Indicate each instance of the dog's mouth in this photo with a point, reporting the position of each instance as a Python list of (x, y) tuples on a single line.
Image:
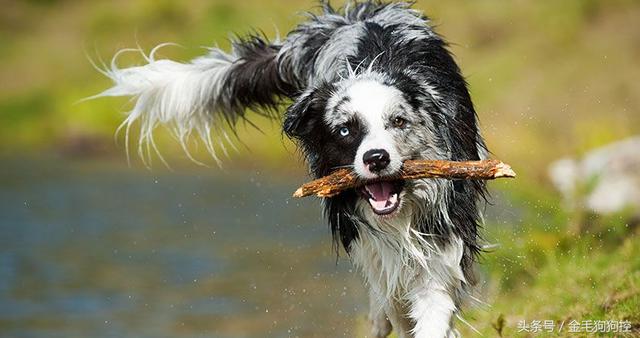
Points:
[(383, 196)]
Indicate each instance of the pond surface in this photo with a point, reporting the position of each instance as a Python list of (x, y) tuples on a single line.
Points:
[(97, 249), (93, 249)]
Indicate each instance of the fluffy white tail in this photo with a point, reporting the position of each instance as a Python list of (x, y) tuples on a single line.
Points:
[(203, 96)]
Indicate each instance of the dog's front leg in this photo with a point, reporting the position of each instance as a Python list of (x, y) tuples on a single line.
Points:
[(380, 324), (432, 309)]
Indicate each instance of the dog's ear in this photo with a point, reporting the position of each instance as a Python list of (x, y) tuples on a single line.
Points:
[(297, 117), (302, 116)]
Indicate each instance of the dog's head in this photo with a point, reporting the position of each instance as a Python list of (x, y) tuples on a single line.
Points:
[(375, 120)]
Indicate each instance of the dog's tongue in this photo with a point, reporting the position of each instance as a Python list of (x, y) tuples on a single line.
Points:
[(382, 195), (380, 191)]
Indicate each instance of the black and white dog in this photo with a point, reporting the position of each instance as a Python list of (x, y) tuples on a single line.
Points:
[(372, 85)]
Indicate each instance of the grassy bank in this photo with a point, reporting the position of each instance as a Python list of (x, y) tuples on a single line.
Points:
[(540, 273)]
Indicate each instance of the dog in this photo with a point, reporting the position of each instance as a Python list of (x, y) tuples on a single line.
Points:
[(371, 85)]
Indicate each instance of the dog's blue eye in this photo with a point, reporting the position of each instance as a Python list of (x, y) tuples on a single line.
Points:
[(344, 131)]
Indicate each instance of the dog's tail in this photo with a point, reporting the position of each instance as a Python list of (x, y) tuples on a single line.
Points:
[(205, 96)]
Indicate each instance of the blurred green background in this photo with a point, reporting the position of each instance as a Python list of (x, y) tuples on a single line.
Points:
[(548, 78)]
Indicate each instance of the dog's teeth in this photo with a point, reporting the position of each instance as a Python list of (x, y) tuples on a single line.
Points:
[(366, 187), (392, 200)]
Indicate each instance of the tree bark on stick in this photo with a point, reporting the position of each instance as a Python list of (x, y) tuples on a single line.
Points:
[(343, 179)]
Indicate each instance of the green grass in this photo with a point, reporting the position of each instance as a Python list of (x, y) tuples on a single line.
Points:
[(547, 275), (548, 78)]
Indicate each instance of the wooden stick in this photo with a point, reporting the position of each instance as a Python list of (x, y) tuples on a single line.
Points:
[(343, 179)]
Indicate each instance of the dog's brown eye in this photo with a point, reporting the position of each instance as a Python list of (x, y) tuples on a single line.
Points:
[(399, 122)]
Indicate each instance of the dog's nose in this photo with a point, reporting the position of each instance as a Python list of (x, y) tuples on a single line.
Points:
[(376, 159)]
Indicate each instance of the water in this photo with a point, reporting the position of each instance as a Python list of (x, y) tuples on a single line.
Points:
[(96, 249)]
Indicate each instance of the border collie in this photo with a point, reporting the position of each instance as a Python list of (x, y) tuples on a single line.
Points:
[(371, 85)]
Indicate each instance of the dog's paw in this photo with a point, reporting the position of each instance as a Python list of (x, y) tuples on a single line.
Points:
[(380, 328)]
